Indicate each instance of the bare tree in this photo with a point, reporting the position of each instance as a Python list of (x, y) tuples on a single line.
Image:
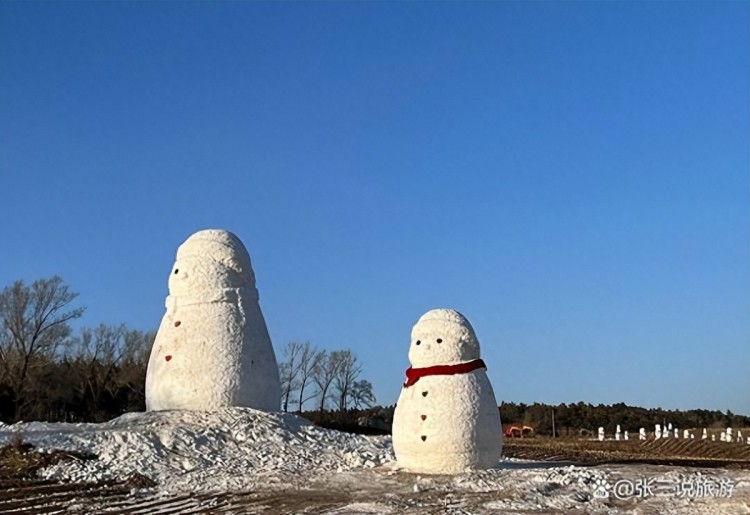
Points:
[(347, 372), (131, 374), (289, 372), (361, 394), (35, 323), (325, 373), (309, 360), (99, 353), (137, 348)]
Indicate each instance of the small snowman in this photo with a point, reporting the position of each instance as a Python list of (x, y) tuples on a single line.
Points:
[(446, 420), (212, 349)]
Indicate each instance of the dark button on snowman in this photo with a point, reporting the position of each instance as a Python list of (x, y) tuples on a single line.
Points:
[(447, 420)]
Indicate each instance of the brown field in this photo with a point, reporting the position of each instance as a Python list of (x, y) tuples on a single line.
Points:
[(665, 451), (22, 492)]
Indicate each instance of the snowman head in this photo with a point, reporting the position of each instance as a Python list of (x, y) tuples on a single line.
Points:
[(442, 337), (208, 262)]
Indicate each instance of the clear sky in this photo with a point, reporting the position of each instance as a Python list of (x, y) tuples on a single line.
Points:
[(572, 176)]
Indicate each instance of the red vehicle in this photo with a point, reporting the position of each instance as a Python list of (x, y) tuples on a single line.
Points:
[(519, 432)]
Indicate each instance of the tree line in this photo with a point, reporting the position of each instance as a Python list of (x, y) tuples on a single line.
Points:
[(49, 372), (575, 418), (332, 379)]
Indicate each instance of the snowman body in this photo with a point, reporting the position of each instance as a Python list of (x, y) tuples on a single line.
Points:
[(446, 423), (212, 349)]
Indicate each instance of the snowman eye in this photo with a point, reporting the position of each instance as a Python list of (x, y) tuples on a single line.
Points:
[(440, 340), (418, 342), (176, 270)]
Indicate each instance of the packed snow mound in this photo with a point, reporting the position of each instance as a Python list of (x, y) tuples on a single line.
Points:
[(229, 449)]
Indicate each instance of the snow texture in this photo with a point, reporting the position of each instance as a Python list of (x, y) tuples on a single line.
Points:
[(212, 349), (181, 450), (446, 424), (245, 454)]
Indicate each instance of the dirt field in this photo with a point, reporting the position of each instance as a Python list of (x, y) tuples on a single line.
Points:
[(665, 451), (541, 487)]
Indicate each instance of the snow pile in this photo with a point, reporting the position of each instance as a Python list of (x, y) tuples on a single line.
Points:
[(234, 448), (527, 483)]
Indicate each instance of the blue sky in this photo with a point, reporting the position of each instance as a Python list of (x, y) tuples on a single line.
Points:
[(572, 176)]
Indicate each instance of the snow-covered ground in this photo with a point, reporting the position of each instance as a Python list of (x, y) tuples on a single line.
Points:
[(298, 466), (201, 451)]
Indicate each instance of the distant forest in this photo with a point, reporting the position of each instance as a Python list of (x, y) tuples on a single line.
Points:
[(49, 373), (570, 419)]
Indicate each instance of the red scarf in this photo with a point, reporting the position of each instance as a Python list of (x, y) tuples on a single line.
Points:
[(413, 374)]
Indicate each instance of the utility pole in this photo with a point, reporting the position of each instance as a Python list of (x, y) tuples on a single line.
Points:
[(553, 423)]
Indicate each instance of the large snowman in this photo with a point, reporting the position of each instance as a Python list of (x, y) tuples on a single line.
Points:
[(212, 349), (447, 419)]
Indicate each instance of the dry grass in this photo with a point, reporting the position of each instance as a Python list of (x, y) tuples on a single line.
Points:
[(19, 461)]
